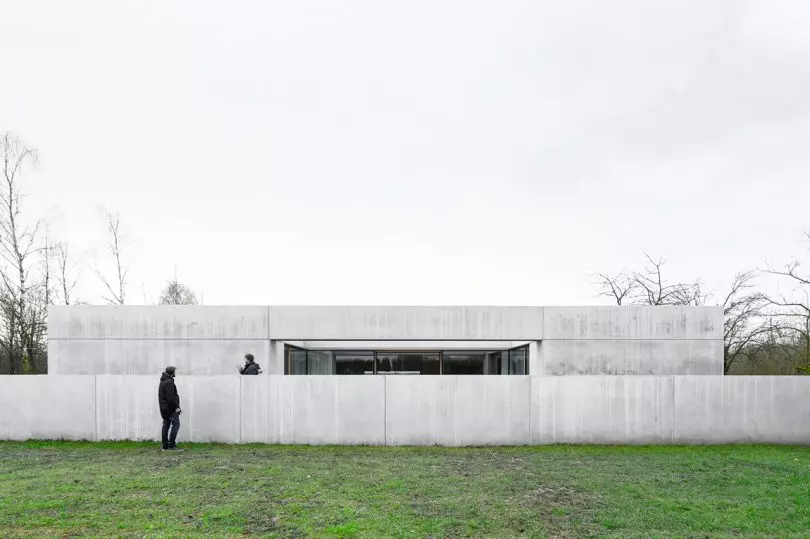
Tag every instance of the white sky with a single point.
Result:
(442, 152)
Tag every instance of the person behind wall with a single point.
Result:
(169, 402)
(251, 367)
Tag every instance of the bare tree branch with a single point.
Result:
(64, 268)
(116, 289)
(619, 287)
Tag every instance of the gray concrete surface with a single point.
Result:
(126, 407)
(47, 407)
(742, 409)
(211, 340)
(405, 323)
(419, 410)
(632, 322)
(157, 322)
(602, 409)
(627, 356)
(151, 356)
(345, 410)
(211, 407)
(457, 410)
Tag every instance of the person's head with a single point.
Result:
(170, 371)
(249, 358)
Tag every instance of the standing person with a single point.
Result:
(251, 367)
(169, 402)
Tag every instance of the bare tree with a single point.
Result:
(65, 278)
(19, 242)
(620, 287)
(116, 287)
(176, 293)
(653, 289)
(649, 287)
(794, 309)
(743, 327)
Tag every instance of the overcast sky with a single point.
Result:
(442, 152)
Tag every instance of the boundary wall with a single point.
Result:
(415, 410)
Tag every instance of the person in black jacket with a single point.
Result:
(169, 402)
(251, 367)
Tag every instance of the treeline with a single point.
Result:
(36, 271)
(763, 333)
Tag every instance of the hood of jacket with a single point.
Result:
(166, 376)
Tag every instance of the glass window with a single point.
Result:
(494, 363)
(451, 362)
(297, 363)
(354, 362)
(320, 362)
(464, 363)
(388, 363)
(518, 360)
(408, 363)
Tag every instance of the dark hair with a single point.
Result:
(170, 371)
(249, 357)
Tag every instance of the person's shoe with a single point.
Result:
(175, 448)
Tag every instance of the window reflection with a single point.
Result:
(320, 362)
(464, 362)
(518, 359)
(354, 362)
(298, 361)
(408, 363)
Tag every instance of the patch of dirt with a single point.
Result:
(555, 494)
(565, 511)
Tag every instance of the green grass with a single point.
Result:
(131, 489)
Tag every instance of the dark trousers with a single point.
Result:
(171, 425)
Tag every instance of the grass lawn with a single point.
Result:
(133, 489)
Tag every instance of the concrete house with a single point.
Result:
(203, 340)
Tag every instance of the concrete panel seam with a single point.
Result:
(672, 411)
(95, 408)
(239, 410)
(530, 414)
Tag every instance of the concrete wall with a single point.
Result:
(47, 407)
(415, 410)
(86, 339)
(208, 340)
(457, 410)
(406, 323)
(631, 340)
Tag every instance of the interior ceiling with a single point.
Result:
(406, 345)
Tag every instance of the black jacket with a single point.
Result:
(250, 368)
(168, 399)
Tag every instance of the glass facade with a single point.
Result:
(354, 362)
(408, 363)
(351, 362)
(464, 362)
(519, 360)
